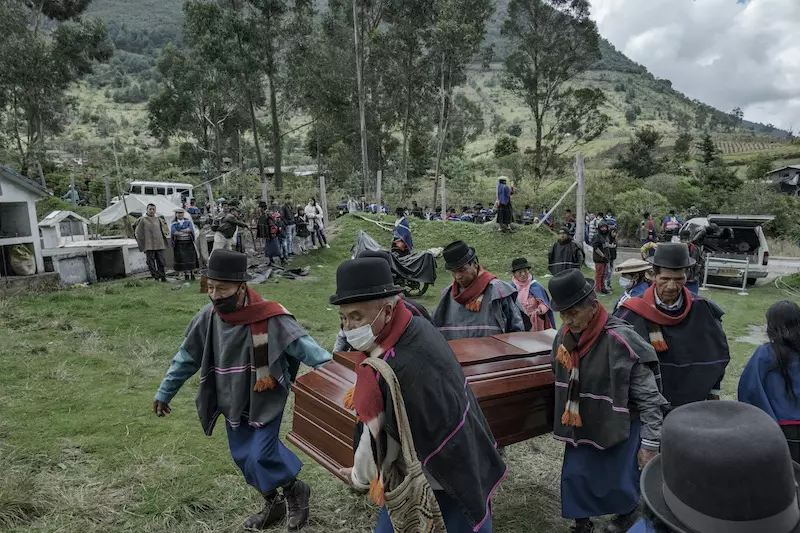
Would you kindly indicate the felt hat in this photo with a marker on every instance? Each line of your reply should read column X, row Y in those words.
column 569, row 288
column 225, row 265
column 519, row 264
column 457, row 254
column 380, row 254
column 502, row 179
column 633, row 266
column 672, row 255
column 362, row 280
column 724, row 467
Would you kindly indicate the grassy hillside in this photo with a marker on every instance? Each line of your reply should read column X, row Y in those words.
column 82, row 451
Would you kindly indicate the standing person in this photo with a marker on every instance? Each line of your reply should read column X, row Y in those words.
column 771, row 378
column 193, row 210
column 594, row 226
column 463, row 474
column 694, row 273
column 269, row 227
column 316, row 224
column 151, row 237
column 504, row 210
column 610, row 219
column 601, row 246
column 532, row 296
column 248, row 351
column 647, row 229
column 685, row 330
column 287, row 217
column 261, row 225
column 724, row 467
column 670, row 226
column 477, row 304
column 225, row 236
column 301, row 223
column 612, row 256
column 634, row 278
column 565, row 254
column 182, row 238
column 607, row 406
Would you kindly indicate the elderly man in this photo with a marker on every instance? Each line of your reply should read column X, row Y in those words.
column 565, row 254
column 247, row 350
column 453, row 440
column 685, row 330
column 608, row 408
column 225, row 236
column 477, row 304
column 152, row 240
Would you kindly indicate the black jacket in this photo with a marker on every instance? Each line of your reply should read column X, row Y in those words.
column 564, row 257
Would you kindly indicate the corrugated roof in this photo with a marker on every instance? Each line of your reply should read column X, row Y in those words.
column 23, row 182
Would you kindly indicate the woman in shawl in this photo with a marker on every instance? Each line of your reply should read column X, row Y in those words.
column 181, row 234
column 771, row 378
column 532, row 296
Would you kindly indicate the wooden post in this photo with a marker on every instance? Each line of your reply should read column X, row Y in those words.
column 378, row 193
column 580, row 209
column 211, row 203
column 108, row 190
column 72, row 190
column 444, row 201
column 323, row 198
column 555, row 205
column 41, row 174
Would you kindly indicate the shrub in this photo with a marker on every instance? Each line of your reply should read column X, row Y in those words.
column 631, row 204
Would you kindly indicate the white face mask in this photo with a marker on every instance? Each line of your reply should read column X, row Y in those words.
column 362, row 338
column 625, row 283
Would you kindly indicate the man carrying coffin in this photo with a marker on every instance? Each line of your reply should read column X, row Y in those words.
column 608, row 410
column 450, row 435
column 685, row 330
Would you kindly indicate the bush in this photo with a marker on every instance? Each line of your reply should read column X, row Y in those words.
column 505, row 146
column 631, row 204
column 679, row 191
column 759, row 167
column 759, row 199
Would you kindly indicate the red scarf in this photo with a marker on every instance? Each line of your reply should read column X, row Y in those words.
column 256, row 314
column 569, row 354
column 472, row 296
column 646, row 307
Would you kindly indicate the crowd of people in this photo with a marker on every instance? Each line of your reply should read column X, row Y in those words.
column 637, row 389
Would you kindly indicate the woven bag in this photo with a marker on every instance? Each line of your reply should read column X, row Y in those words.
column 410, row 500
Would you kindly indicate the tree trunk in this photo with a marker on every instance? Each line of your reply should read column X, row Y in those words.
column 277, row 149
column 441, row 134
column 362, row 111
column 261, row 172
column 405, row 187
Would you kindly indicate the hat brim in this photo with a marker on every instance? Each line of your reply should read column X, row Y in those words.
column 588, row 289
column 652, row 261
column 652, row 485
column 225, row 276
column 461, row 262
column 364, row 297
column 521, row 267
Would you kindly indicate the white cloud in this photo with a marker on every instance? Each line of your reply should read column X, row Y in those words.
column 726, row 53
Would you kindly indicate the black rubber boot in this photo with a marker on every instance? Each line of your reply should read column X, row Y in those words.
column 584, row 525
column 622, row 523
column 297, row 495
column 273, row 512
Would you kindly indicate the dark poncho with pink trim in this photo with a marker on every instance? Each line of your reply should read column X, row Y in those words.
column 451, row 436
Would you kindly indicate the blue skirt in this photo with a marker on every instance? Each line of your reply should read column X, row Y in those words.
column 454, row 519
column 601, row 482
column 273, row 248
column 263, row 459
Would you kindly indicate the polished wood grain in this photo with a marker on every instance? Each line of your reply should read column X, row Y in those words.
column 511, row 376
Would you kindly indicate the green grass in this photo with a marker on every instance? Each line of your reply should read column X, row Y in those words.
column 81, row 451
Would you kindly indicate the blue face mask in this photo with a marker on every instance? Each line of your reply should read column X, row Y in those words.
column 625, row 283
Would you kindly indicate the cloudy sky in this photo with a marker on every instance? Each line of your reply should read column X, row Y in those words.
column 726, row 53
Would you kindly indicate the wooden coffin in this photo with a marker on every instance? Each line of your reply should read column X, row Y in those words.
column 510, row 375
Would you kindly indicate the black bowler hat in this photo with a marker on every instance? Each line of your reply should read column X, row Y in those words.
column 724, row 466
column 362, row 280
column 380, row 254
column 225, row 265
column 672, row 255
column 519, row 264
column 457, row 254
column 569, row 288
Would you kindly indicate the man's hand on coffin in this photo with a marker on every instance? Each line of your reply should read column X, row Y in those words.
column 346, row 473
column 161, row 409
column 645, row 456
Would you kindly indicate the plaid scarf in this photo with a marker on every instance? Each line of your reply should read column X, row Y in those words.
column 569, row 354
column 647, row 308
column 256, row 315
column 472, row 296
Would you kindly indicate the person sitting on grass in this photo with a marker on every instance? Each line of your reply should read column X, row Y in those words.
column 414, row 368
column 248, row 350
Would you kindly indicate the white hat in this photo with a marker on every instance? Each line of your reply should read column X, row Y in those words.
column 633, row 266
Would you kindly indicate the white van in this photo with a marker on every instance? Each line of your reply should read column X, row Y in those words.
column 734, row 237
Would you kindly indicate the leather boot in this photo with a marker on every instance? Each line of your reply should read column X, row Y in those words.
column 622, row 523
column 273, row 512
column 297, row 495
column 584, row 525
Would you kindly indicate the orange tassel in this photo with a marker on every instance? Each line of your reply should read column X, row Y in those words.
column 267, row 383
column 660, row 345
column 571, row 419
column 376, row 491
column 348, row 402
column 475, row 305
column 563, row 357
